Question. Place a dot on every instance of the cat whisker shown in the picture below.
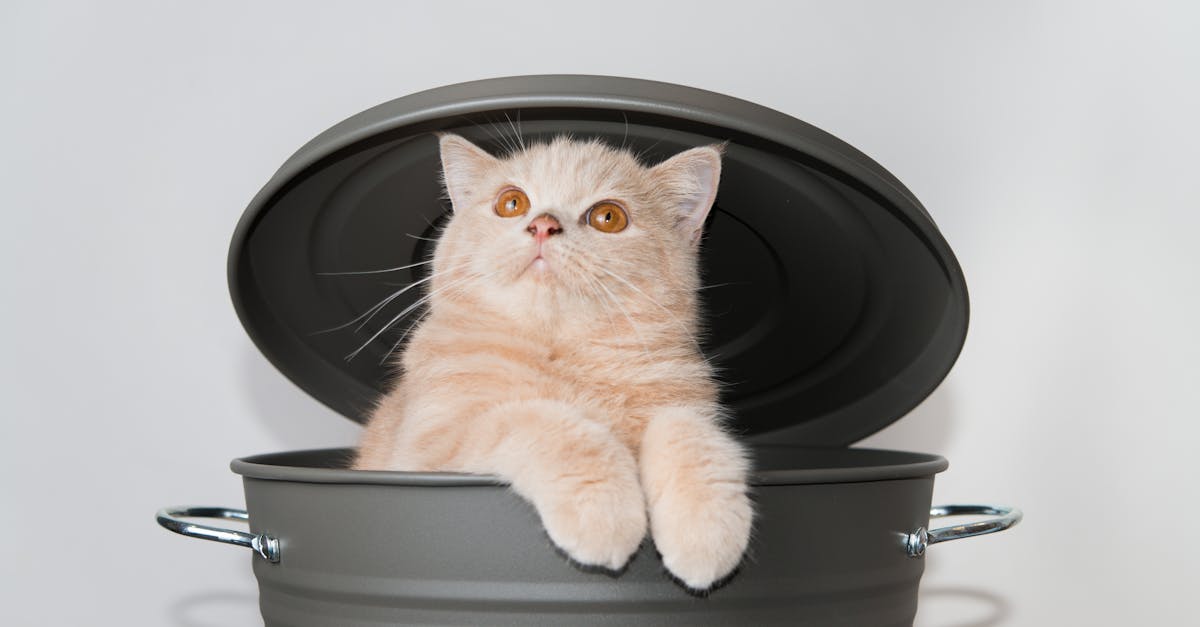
(709, 287)
(682, 326)
(382, 271)
(509, 146)
(499, 139)
(603, 301)
(633, 325)
(395, 269)
(413, 307)
(626, 137)
(400, 341)
(439, 229)
(520, 141)
(376, 308)
(639, 290)
(421, 318)
(590, 283)
(399, 316)
(489, 131)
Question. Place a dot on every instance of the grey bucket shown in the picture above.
(844, 308)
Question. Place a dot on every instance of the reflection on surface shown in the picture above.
(216, 608)
(961, 607)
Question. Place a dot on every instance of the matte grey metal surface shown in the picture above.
(468, 551)
(835, 304)
(172, 518)
(1005, 518)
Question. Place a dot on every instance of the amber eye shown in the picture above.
(512, 203)
(607, 217)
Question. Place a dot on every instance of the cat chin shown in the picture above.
(539, 271)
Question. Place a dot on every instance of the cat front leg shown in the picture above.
(581, 479)
(694, 476)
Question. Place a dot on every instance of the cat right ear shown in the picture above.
(463, 164)
(693, 175)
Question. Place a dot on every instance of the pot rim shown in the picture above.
(862, 465)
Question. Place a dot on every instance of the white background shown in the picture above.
(1054, 143)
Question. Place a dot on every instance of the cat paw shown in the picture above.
(601, 524)
(702, 533)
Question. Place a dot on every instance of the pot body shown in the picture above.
(420, 549)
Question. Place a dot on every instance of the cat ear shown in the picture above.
(463, 163)
(692, 176)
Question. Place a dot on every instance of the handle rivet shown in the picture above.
(916, 542)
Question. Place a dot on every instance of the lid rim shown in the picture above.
(719, 111)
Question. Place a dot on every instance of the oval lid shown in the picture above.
(834, 305)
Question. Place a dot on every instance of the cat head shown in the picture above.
(573, 227)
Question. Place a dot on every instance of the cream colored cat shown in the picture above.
(560, 354)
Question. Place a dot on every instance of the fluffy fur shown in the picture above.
(578, 378)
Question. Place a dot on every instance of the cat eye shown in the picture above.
(607, 217)
(512, 203)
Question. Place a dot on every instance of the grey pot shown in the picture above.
(842, 307)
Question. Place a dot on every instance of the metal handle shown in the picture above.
(264, 545)
(917, 541)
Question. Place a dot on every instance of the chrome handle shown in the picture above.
(263, 544)
(917, 541)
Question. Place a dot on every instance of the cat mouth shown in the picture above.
(537, 267)
(543, 261)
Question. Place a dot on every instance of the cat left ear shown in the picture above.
(693, 176)
(463, 164)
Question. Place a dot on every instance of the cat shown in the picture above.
(560, 353)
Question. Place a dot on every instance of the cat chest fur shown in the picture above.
(617, 383)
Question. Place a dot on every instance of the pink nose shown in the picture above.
(543, 227)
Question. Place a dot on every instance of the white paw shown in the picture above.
(702, 533)
(601, 523)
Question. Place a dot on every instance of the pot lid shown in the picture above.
(834, 305)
